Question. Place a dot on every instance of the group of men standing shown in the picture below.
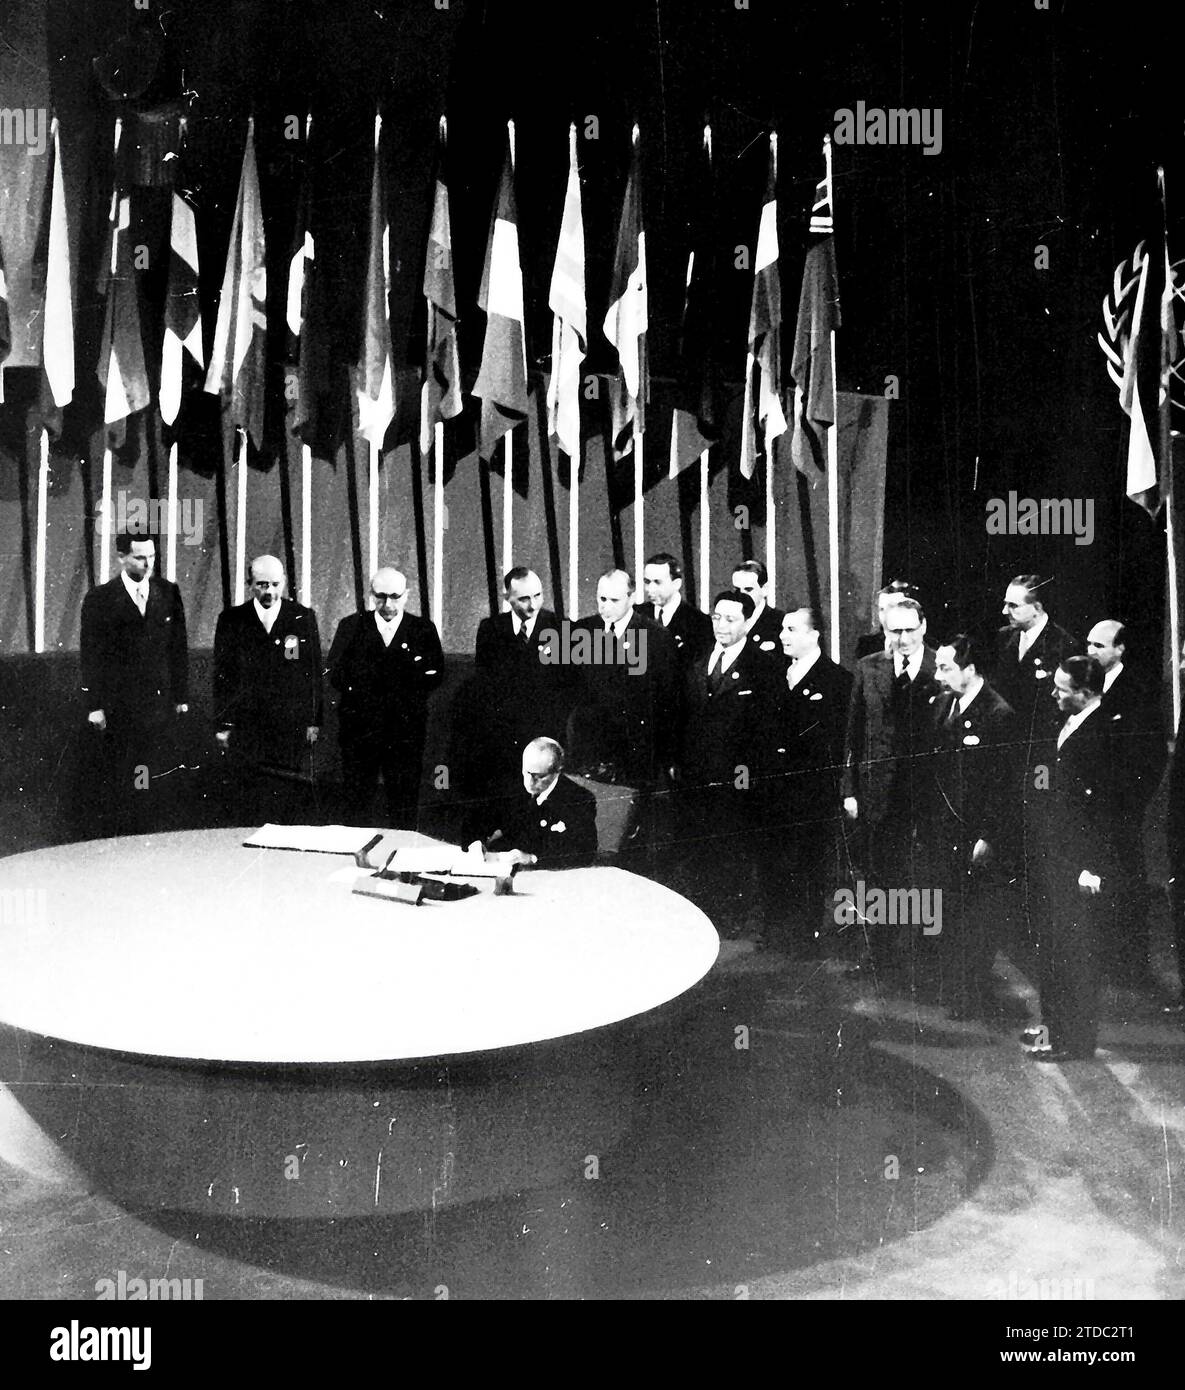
(770, 776)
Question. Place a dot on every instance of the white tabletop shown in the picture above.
(188, 945)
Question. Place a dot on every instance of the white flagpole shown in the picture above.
(105, 521)
(372, 551)
(507, 502)
(771, 524)
(171, 543)
(705, 556)
(833, 453)
(241, 521)
(573, 536)
(639, 531)
(42, 526)
(306, 525)
(438, 527)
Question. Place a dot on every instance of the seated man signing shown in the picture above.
(549, 819)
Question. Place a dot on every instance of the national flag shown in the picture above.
(57, 325)
(502, 381)
(699, 409)
(304, 362)
(626, 321)
(569, 323)
(238, 361)
(376, 371)
(763, 419)
(812, 367)
(183, 314)
(1151, 352)
(123, 374)
(440, 397)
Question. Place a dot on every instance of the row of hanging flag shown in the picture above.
(801, 403)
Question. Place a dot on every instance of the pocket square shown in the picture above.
(818, 695)
(970, 740)
(559, 827)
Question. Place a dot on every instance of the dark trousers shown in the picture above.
(1127, 950)
(973, 903)
(137, 769)
(1069, 959)
(799, 874)
(399, 764)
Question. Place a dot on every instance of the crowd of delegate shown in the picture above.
(900, 813)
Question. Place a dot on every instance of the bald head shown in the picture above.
(1105, 642)
(267, 580)
(543, 760)
(388, 590)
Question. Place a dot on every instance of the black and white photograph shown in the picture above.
(591, 658)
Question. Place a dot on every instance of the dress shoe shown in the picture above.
(1033, 1037)
(1057, 1054)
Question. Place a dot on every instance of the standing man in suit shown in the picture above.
(878, 641)
(689, 630)
(1134, 706)
(885, 782)
(135, 682)
(798, 867)
(519, 692)
(730, 697)
(976, 801)
(1075, 812)
(764, 628)
(384, 664)
(548, 816)
(624, 723)
(267, 696)
(1029, 649)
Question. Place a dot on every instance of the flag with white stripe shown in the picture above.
(183, 314)
(764, 419)
(812, 367)
(569, 324)
(440, 397)
(628, 317)
(376, 371)
(123, 374)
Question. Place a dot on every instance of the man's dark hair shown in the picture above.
(968, 651)
(898, 586)
(617, 569)
(753, 567)
(1032, 584)
(813, 616)
(516, 576)
(664, 557)
(1085, 673)
(736, 596)
(123, 542)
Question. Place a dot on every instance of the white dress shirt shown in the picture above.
(912, 664)
(1111, 676)
(1030, 635)
(267, 616)
(799, 668)
(970, 693)
(387, 630)
(1075, 720)
(138, 592)
(668, 610)
(723, 657)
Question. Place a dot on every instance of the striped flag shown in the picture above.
(376, 372)
(626, 322)
(440, 397)
(123, 374)
(763, 419)
(502, 381)
(302, 357)
(183, 314)
(569, 324)
(699, 410)
(238, 361)
(57, 327)
(812, 368)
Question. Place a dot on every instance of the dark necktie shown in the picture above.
(524, 637)
(952, 714)
(716, 677)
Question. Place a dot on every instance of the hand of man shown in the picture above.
(310, 734)
(476, 848)
(1089, 883)
(98, 719)
(851, 807)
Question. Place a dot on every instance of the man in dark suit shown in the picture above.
(548, 816)
(622, 727)
(689, 630)
(1028, 651)
(267, 697)
(1133, 702)
(877, 641)
(1075, 811)
(798, 867)
(885, 782)
(135, 683)
(730, 697)
(976, 771)
(764, 629)
(384, 663)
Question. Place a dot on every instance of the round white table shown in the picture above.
(234, 1029)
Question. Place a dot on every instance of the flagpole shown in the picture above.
(771, 523)
(105, 519)
(171, 543)
(372, 551)
(833, 455)
(705, 558)
(507, 501)
(241, 521)
(306, 525)
(1164, 422)
(42, 526)
(573, 536)
(438, 527)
